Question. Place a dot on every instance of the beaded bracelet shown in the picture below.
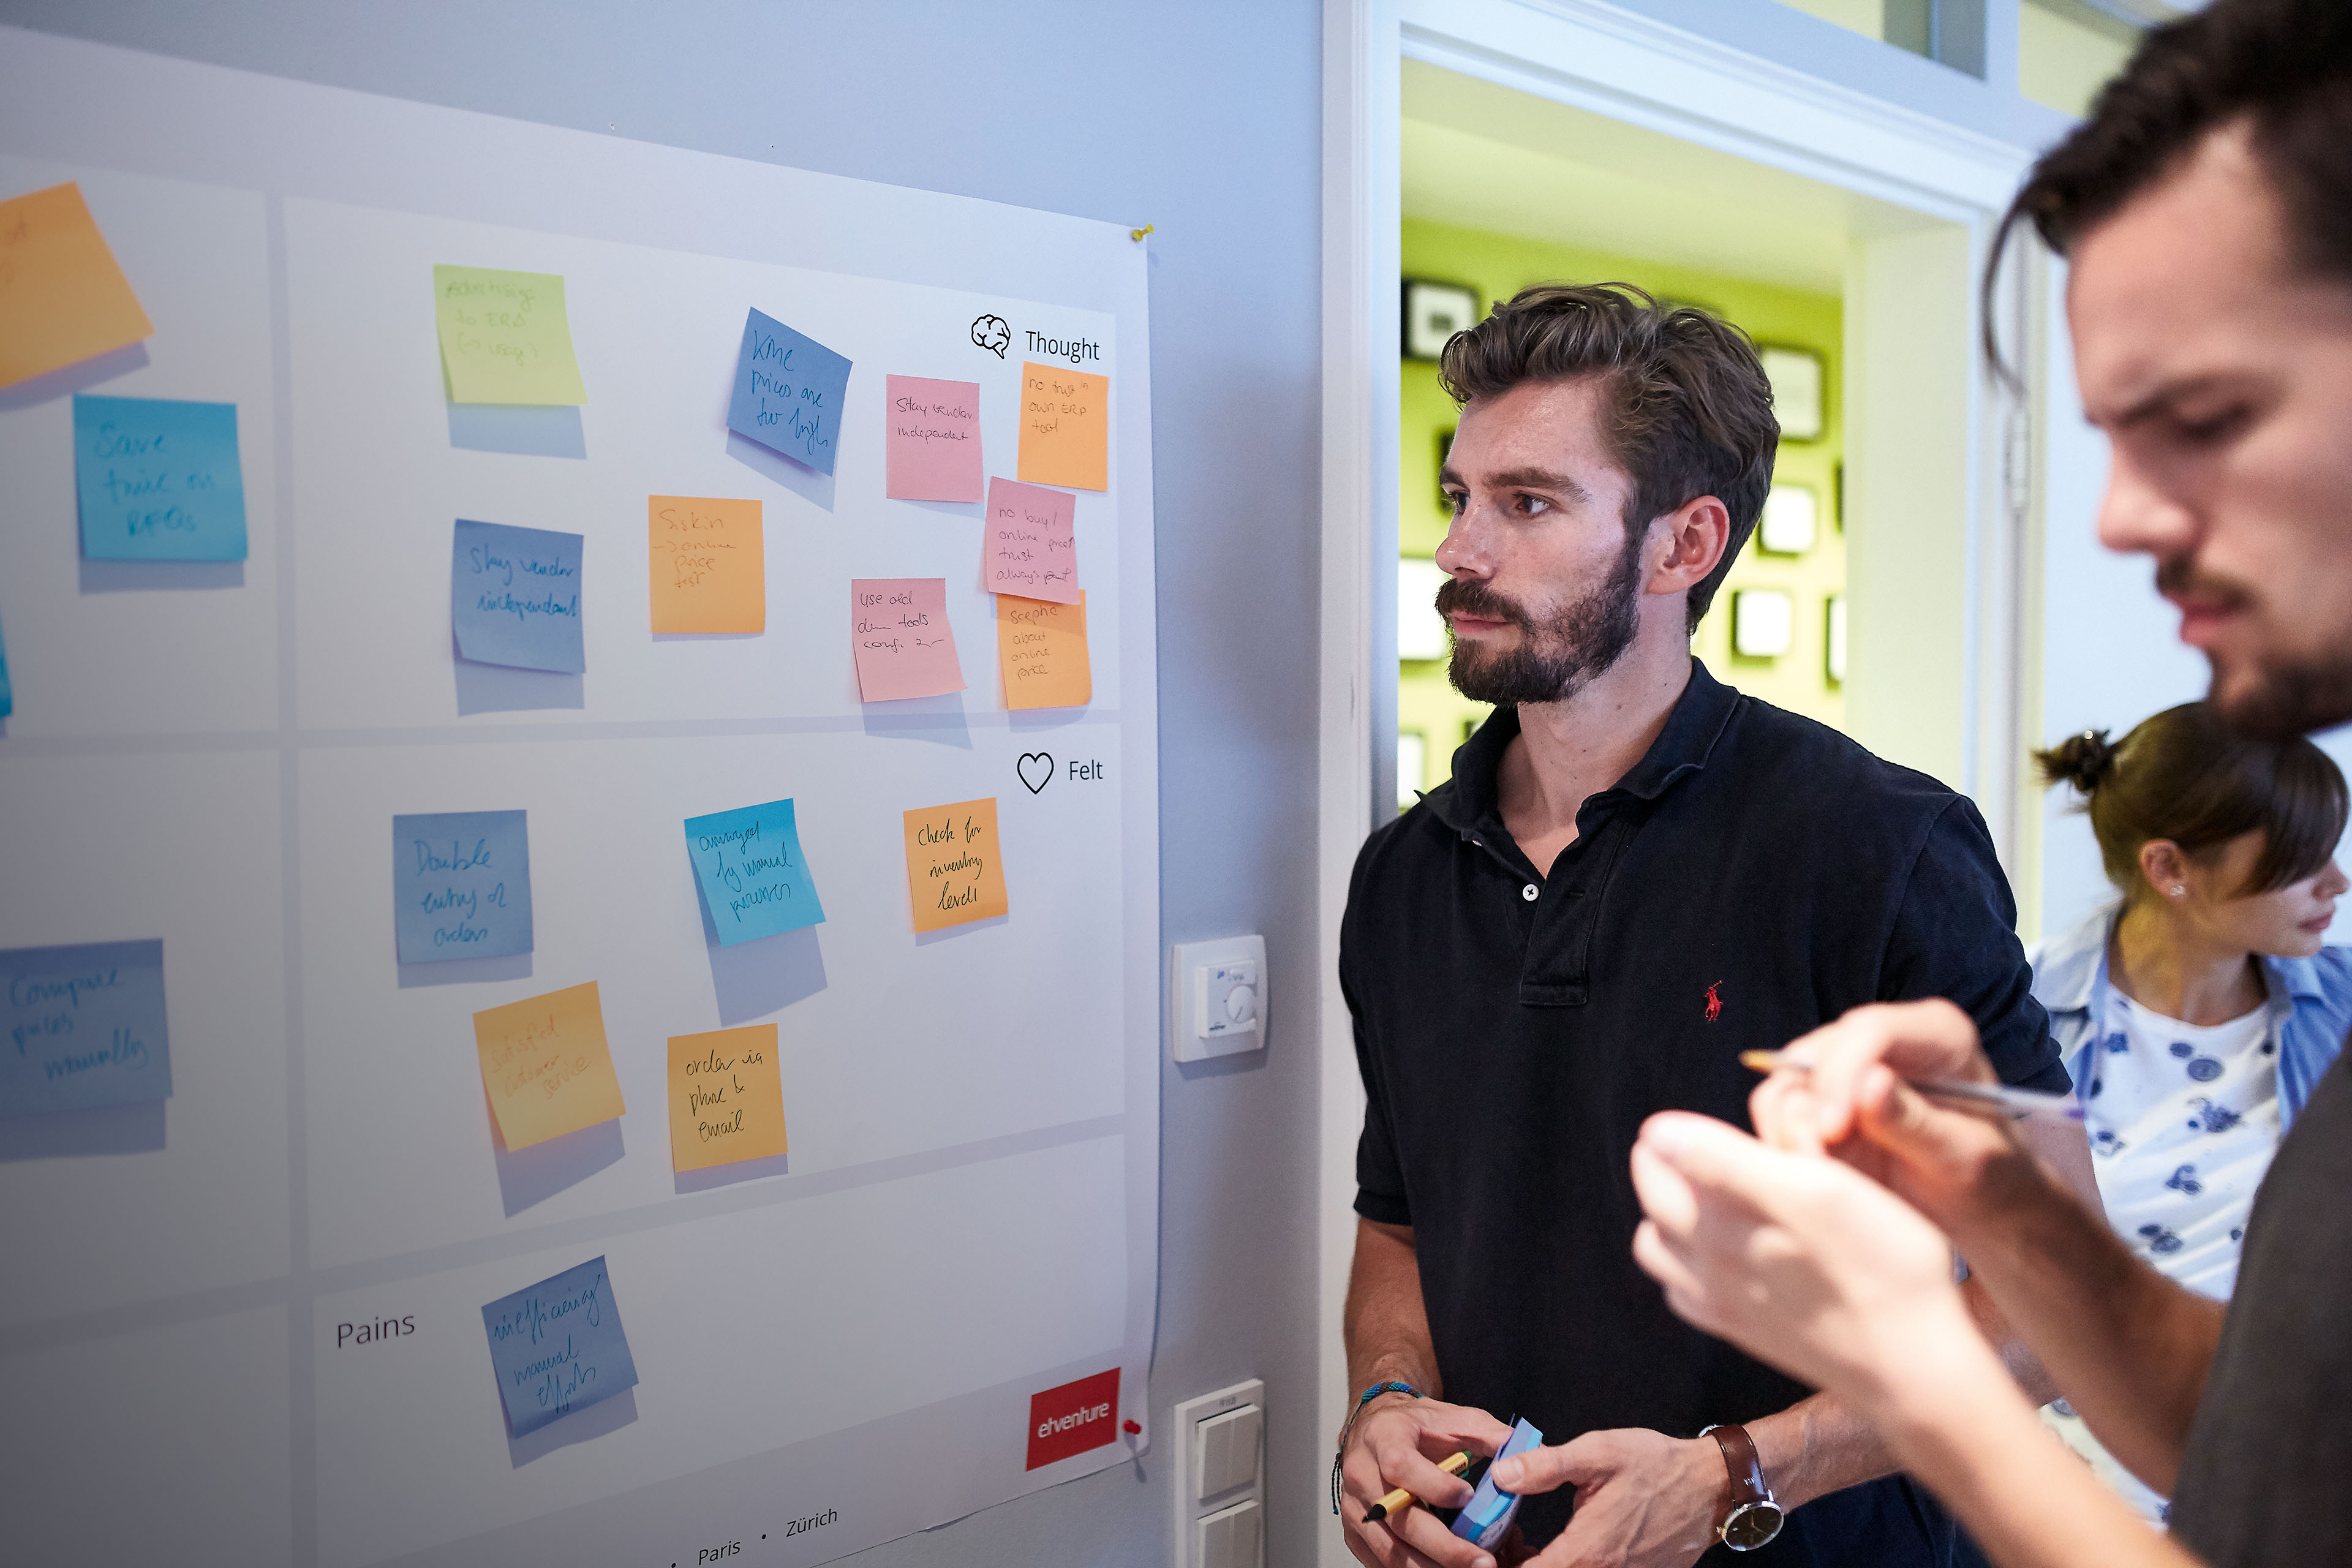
(1349, 1424)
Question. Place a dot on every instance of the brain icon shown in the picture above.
(991, 333)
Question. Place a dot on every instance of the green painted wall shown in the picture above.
(1497, 265)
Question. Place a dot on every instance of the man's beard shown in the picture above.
(1556, 657)
(2265, 699)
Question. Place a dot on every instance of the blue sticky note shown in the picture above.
(514, 597)
(753, 876)
(1484, 1519)
(7, 692)
(788, 390)
(558, 1346)
(84, 1027)
(158, 480)
(460, 885)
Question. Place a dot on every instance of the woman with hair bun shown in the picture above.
(2195, 1014)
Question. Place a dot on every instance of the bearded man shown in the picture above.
(1634, 874)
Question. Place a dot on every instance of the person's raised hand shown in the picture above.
(1397, 1442)
(1643, 1500)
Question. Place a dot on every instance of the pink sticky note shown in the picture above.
(933, 438)
(1027, 547)
(898, 631)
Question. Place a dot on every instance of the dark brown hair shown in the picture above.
(1685, 408)
(2185, 777)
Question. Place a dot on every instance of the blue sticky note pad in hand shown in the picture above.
(7, 694)
(1487, 1515)
(158, 480)
(514, 597)
(788, 390)
(460, 885)
(753, 878)
(558, 1347)
(84, 1027)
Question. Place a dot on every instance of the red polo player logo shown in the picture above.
(1713, 1002)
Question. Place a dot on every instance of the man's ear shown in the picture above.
(1697, 534)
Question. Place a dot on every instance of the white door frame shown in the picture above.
(1594, 56)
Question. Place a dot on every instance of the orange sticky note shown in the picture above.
(953, 872)
(725, 1098)
(1064, 427)
(62, 298)
(1040, 652)
(707, 570)
(901, 639)
(546, 1065)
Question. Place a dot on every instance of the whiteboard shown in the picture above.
(209, 754)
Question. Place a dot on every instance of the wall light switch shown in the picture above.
(1220, 1476)
(1231, 1538)
(1218, 997)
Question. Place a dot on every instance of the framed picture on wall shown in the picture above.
(1791, 519)
(1762, 623)
(1799, 379)
(1434, 311)
(1833, 641)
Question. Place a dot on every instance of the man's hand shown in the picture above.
(1643, 1500)
(1397, 1442)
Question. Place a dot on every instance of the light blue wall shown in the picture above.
(1201, 118)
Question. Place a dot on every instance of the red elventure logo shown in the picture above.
(1072, 1418)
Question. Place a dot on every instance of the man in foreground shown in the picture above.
(2206, 211)
(1634, 871)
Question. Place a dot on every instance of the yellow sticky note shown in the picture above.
(708, 572)
(546, 1067)
(953, 871)
(505, 337)
(62, 298)
(725, 1098)
(1040, 652)
(1064, 427)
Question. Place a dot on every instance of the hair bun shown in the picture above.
(2081, 760)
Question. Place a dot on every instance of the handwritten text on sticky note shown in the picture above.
(954, 873)
(558, 1346)
(158, 479)
(708, 568)
(754, 879)
(1040, 652)
(1027, 545)
(546, 1065)
(62, 298)
(83, 1026)
(789, 391)
(1064, 427)
(725, 1098)
(460, 885)
(933, 438)
(506, 336)
(900, 639)
(514, 596)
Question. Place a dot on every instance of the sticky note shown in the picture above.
(706, 566)
(1064, 427)
(725, 1098)
(7, 692)
(158, 479)
(514, 596)
(546, 1067)
(1040, 652)
(953, 871)
(1027, 545)
(558, 1346)
(789, 391)
(931, 431)
(506, 336)
(899, 635)
(62, 298)
(460, 885)
(85, 1026)
(753, 875)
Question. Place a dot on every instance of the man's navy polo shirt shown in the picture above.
(1754, 876)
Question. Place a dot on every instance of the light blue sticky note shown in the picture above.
(7, 692)
(460, 885)
(788, 390)
(1486, 1518)
(558, 1346)
(84, 1027)
(158, 480)
(753, 876)
(514, 597)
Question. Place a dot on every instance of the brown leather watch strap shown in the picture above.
(1739, 1459)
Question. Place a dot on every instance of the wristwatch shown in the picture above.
(1755, 1519)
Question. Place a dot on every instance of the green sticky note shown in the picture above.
(505, 337)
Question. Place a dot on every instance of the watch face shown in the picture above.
(1751, 1525)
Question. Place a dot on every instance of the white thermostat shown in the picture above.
(1217, 995)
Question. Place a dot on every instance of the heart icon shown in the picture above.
(1044, 766)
